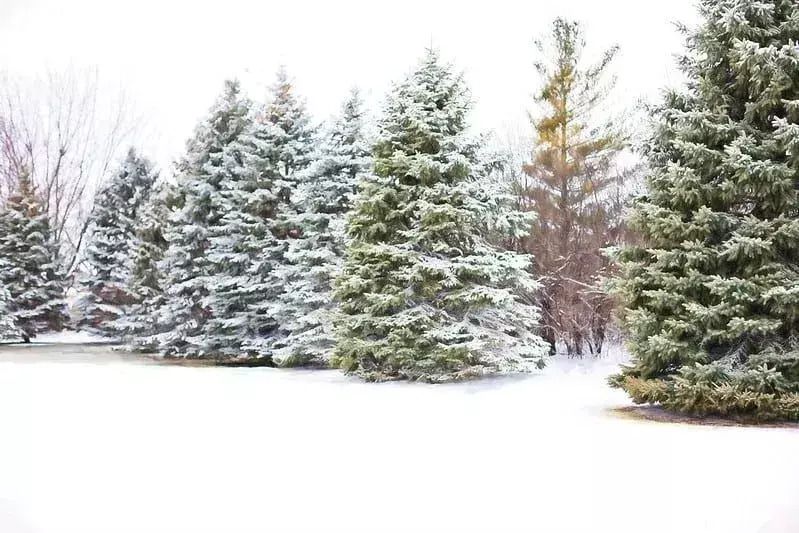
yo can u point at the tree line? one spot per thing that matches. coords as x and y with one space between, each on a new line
236 255
414 251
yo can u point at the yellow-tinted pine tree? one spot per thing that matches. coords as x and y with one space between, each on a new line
569 184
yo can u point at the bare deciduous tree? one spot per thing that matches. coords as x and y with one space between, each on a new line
66 132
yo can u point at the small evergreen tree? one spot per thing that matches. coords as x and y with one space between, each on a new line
711 295
112 239
145 284
188 271
32 275
423 295
250 241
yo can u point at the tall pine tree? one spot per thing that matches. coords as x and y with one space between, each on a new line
188 271
112 240
250 242
568 184
711 295
315 256
32 274
145 281
423 295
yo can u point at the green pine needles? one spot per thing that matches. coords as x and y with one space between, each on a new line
710 296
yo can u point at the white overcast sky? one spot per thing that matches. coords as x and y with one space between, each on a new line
172 55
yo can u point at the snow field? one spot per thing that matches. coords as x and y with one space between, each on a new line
134 448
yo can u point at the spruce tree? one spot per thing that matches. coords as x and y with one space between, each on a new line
250 242
423 295
710 296
188 271
112 240
145 281
32 274
315 256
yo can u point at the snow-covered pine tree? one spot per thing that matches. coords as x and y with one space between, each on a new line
144 284
249 243
110 245
710 297
188 273
9 331
423 295
32 275
315 256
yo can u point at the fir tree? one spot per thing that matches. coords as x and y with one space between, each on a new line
32 275
111 243
250 242
188 272
423 295
711 295
315 256
145 284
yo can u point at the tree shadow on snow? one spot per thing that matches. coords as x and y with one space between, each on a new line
650 413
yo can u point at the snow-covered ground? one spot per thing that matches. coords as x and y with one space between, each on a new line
68 337
123 447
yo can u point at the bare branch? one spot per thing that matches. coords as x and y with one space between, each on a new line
66 132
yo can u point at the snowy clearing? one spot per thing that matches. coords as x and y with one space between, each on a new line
122 447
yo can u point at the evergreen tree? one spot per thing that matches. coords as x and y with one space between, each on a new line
569 184
250 242
188 271
112 240
423 295
711 295
9 331
145 284
315 256
32 275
